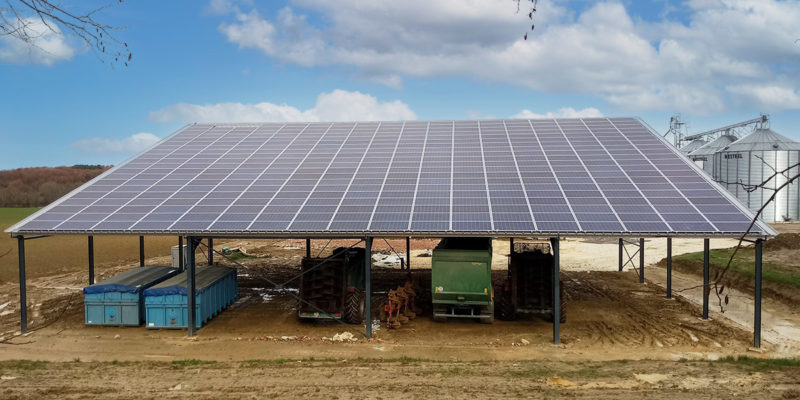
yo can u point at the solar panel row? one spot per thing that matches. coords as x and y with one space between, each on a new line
593 175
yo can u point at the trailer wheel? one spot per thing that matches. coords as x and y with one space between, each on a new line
354 307
487 316
505 307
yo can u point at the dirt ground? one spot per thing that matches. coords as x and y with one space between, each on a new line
621 339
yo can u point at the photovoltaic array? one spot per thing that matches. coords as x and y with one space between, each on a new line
516 177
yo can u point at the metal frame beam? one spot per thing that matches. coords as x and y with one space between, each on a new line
308 248
23 302
408 253
141 251
554 245
621 246
181 265
706 285
669 267
757 297
368 287
91 259
210 251
641 260
191 300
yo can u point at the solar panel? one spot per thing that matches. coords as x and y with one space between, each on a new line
604 176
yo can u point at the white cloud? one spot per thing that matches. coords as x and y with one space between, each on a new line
131 144
338 105
567 112
603 51
47 45
771 97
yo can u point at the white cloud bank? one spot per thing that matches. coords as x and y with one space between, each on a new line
131 144
338 105
47 46
567 112
702 67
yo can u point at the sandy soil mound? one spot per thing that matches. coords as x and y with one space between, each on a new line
789 241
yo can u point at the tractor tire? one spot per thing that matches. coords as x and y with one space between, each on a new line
505 308
354 307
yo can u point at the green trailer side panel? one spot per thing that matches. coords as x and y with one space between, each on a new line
461 272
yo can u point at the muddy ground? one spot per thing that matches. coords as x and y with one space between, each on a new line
621 339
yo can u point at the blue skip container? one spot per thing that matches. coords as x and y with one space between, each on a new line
118 301
165 303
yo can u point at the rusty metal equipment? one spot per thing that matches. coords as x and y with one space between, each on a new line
528 288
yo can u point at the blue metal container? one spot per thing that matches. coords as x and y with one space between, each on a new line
118 301
165 303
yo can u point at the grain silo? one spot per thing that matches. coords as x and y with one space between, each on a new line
704 155
692 146
753 160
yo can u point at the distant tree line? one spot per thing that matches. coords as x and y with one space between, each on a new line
37 187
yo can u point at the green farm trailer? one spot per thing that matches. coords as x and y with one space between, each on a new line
461 279
332 288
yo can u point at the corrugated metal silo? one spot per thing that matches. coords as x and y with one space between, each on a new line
692 146
704 156
752 160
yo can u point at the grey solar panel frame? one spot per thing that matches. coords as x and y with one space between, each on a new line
196 143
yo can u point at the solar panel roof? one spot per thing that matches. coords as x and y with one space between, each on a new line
591 176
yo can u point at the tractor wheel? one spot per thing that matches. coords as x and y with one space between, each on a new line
505 307
354 307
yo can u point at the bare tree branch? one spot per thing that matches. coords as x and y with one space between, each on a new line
19 19
6 253
531 7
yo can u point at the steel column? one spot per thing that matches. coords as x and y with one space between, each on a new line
757 298
556 291
23 302
706 286
308 248
141 251
641 260
368 287
669 267
91 260
190 289
511 245
620 254
210 251
408 253
180 254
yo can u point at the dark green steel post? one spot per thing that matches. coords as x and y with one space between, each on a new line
641 260
620 254
210 251
408 253
757 298
556 291
669 267
23 302
706 287
308 248
190 289
141 251
180 254
91 260
368 287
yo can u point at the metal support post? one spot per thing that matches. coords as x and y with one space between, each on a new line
556 291
308 248
141 251
511 245
368 287
706 286
23 302
620 254
210 251
408 253
91 260
191 305
757 297
181 266
669 267
641 260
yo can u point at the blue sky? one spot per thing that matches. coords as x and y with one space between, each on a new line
713 61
